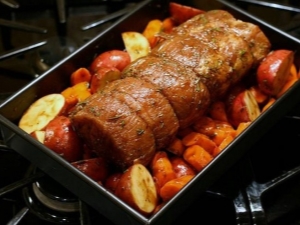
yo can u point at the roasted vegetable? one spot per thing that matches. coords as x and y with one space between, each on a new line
114 58
95 168
62 139
41 112
274 70
137 188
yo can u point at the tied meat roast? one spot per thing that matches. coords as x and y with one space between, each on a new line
170 88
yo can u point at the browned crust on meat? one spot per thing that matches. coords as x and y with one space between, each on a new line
146 100
258 43
114 131
194 65
218 57
188 96
216 16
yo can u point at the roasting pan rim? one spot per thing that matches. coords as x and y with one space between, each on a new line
126 213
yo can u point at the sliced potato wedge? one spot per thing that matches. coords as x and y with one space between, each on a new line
39 135
136 187
41 112
136 44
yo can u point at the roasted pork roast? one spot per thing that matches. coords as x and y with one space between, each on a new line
170 88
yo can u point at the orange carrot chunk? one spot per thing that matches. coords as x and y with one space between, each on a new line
203 140
226 141
76 93
197 157
80 75
176 147
171 188
152 29
219 136
162 169
223 129
167 25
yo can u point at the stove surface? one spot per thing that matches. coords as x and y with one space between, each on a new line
44 21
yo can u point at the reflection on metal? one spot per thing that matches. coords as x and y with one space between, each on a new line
107 18
21 50
18 217
272 5
61 10
10 3
22 26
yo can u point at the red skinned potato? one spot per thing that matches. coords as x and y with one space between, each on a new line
62 139
88 153
112 181
171 188
113 58
103 76
137 188
95 168
181 13
274 70
242 107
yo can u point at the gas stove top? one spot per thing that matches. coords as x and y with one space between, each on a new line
36 36
262 188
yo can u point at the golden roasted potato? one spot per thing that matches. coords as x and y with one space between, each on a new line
41 112
136 187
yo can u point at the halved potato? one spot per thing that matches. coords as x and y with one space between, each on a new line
62 139
41 112
39 135
136 44
274 70
136 187
102 77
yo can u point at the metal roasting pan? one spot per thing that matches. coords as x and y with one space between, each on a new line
57 78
